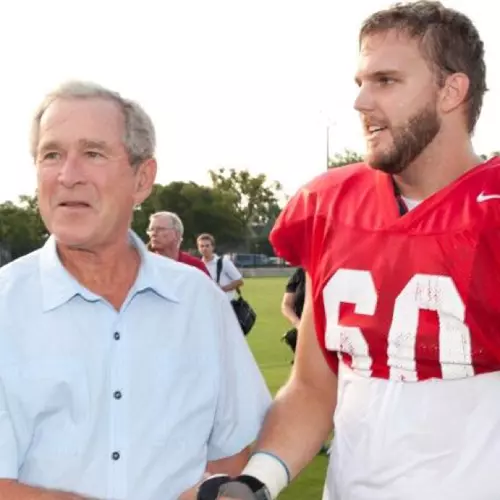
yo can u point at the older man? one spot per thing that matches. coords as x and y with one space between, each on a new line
166 231
123 375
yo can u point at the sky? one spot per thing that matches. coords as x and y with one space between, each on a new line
245 84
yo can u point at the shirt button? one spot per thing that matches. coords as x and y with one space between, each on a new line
117 395
117 336
115 455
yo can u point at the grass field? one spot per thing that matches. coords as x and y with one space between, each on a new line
274 360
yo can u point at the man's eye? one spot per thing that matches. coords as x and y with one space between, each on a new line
93 154
386 80
52 155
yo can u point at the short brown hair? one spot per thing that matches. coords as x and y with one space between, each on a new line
206 236
449 41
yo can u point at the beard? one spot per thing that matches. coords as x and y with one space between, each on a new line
409 140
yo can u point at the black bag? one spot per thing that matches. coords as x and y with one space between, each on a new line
243 310
290 339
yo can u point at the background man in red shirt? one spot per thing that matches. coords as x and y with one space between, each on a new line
165 232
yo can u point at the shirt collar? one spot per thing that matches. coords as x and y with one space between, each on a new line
59 286
213 259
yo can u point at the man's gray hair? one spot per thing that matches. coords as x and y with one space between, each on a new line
173 219
139 138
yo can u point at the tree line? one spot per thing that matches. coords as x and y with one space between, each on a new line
238 208
349 156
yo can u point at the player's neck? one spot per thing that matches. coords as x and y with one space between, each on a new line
437 167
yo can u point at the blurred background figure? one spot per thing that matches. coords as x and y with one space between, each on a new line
226 275
165 232
293 304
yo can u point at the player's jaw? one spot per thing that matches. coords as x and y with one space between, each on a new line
392 148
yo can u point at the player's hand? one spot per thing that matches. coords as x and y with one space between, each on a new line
223 487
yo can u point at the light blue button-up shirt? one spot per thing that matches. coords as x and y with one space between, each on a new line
127 404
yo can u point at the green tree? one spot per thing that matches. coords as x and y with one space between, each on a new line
255 198
346 158
201 209
21 227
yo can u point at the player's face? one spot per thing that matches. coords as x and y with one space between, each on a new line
397 101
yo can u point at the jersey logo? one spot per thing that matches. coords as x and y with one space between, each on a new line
486 197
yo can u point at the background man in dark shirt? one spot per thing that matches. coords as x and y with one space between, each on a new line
292 305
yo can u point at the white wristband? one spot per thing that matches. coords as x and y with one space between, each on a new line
270 470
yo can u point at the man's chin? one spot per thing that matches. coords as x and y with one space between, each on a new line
383 163
71 239
375 161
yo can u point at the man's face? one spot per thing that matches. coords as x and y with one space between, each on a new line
397 100
162 234
86 186
205 248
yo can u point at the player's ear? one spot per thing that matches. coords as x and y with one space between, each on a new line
454 92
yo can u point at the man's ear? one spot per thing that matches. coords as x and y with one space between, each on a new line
145 179
454 92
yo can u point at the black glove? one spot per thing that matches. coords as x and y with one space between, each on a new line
241 487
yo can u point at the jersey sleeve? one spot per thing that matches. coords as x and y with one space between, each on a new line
292 234
301 235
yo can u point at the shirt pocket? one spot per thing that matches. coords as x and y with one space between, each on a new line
49 402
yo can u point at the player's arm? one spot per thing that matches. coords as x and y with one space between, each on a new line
300 418
231 465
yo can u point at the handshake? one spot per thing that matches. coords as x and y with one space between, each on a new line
244 487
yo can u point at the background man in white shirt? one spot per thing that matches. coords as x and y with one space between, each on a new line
230 278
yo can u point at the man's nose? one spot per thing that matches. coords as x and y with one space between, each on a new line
71 172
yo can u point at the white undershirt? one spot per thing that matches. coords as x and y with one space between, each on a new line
410 204
435 439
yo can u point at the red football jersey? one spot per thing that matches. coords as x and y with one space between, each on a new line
408 297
